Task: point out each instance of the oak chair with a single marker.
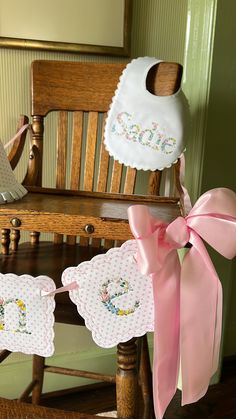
(18, 410)
(17, 146)
(86, 206)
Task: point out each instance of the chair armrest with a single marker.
(33, 168)
(18, 145)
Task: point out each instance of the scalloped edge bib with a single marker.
(142, 130)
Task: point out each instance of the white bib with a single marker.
(143, 130)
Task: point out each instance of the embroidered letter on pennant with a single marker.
(26, 318)
(114, 298)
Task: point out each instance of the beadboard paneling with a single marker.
(159, 28)
(15, 89)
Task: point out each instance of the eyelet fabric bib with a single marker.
(142, 130)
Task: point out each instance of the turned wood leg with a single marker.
(4, 354)
(145, 379)
(126, 380)
(34, 237)
(5, 241)
(38, 375)
(15, 238)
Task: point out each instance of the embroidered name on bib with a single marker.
(152, 137)
(142, 130)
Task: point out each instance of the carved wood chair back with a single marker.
(81, 94)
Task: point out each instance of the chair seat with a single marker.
(14, 409)
(47, 258)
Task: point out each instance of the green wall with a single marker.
(159, 28)
(220, 147)
(219, 163)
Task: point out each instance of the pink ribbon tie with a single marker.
(72, 286)
(21, 130)
(187, 296)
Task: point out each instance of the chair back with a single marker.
(79, 94)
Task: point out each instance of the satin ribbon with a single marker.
(187, 296)
(21, 130)
(72, 286)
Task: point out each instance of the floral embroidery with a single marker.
(167, 145)
(153, 137)
(106, 298)
(21, 313)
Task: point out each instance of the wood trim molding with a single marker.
(196, 82)
(76, 48)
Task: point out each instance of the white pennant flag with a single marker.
(113, 297)
(26, 317)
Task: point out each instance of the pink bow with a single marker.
(188, 298)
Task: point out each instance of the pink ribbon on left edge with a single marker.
(187, 296)
(21, 130)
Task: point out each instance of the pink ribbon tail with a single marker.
(200, 320)
(166, 292)
(185, 198)
(187, 298)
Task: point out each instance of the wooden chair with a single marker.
(14, 409)
(88, 200)
(17, 147)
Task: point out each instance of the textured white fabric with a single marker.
(26, 318)
(143, 130)
(10, 189)
(112, 295)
